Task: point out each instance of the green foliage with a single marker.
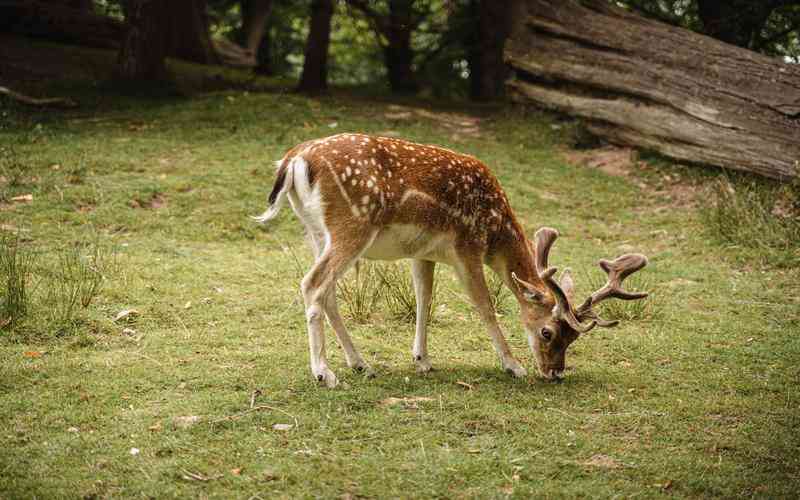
(778, 36)
(355, 57)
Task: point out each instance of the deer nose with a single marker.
(556, 375)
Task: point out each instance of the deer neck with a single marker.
(515, 255)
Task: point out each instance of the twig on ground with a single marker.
(192, 476)
(253, 397)
(63, 102)
(239, 415)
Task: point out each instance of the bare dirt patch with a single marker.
(458, 124)
(671, 190)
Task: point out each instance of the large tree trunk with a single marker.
(315, 66)
(488, 71)
(643, 83)
(146, 43)
(399, 58)
(398, 54)
(264, 56)
(255, 14)
(73, 22)
(188, 30)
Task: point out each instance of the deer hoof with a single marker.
(327, 377)
(517, 371)
(423, 364)
(365, 369)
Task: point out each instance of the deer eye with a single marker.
(546, 334)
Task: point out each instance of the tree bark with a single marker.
(398, 54)
(488, 70)
(255, 14)
(399, 59)
(146, 43)
(642, 83)
(187, 27)
(472, 47)
(264, 56)
(315, 66)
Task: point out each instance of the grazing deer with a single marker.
(382, 198)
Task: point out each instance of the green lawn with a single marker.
(695, 395)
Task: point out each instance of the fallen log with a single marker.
(638, 82)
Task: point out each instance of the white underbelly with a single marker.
(402, 241)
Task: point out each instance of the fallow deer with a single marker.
(362, 196)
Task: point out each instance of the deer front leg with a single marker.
(352, 356)
(470, 272)
(422, 274)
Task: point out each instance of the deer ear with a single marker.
(567, 284)
(531, 293)
(533, 296)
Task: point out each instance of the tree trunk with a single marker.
(472, 46)
(398, 54)
(146, 43)
(399, 58)
(488, 71)
(187, 27)
(642, 83)
(72, 22)
(255, 14)
(264, 56)
(315, 66)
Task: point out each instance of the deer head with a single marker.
(555, 322)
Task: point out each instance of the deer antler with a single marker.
(544, 239)
(617, 270)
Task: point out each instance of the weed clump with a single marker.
(648, 309)
(15, 275)
(361, 292)
(398, 292)
(756, 215)
(46, 291)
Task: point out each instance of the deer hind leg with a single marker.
(470, 272)
(331, 307)
(422, 274)
(317, 285)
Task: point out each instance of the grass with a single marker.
(698, 399)
(757, 216)
(15, 270)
